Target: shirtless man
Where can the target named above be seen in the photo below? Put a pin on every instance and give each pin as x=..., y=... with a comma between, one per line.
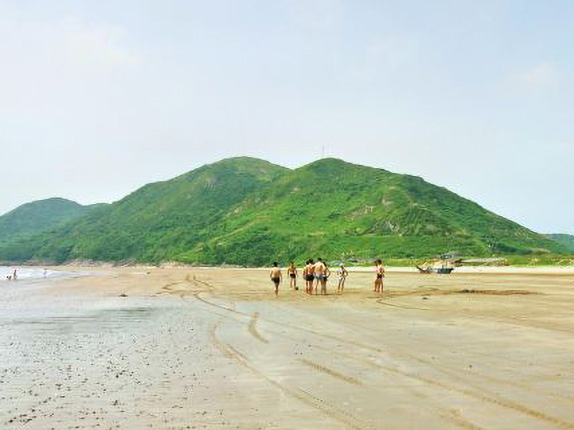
x=310, y=276
x=319, y=272
x=276, y=276
x=379, y=275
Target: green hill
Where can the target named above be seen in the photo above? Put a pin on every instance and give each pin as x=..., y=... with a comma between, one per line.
x=157, y=222
x=37, y=217
x=338, y=210
x=566, y=240
x=247, y=211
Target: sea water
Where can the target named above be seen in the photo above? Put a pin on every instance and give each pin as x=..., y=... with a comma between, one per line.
x=32, y=273
x=23, y=295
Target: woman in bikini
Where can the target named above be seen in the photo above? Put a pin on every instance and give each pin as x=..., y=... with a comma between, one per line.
x=292, y=272
x=379, y=275
x=343, y=273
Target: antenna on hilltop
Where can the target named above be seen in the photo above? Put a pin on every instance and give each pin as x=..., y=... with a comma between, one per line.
x=323, y=151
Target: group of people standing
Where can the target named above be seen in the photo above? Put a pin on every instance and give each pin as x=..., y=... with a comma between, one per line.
x=316, y=275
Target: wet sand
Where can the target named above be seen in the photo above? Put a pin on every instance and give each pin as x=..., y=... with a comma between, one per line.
x=199, y=348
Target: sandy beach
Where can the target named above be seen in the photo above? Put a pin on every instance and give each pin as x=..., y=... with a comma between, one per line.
x=213, y=348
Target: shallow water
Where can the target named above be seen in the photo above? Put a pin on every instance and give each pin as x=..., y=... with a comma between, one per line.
x=23, y=298
x=71, y=361
x=34, y=275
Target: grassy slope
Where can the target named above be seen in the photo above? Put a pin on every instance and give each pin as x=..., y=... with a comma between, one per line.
x=156, y=222
x=338, y=209
x=248, y=211
x=39, y=216
x=566, y=240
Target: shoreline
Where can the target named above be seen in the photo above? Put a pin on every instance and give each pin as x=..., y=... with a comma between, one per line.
x=486, y=270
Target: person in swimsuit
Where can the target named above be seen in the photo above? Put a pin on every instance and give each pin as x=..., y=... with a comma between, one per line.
x=304, y=275
x=292, y=272
x=276, y=276
x=310, y=276
x=379, y=275
x=319, y=272
x=342, y=273
x=326, y=275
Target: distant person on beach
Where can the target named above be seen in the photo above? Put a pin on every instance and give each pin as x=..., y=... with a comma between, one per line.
x=319, y=272
x=342, y=273
x=304, y=275
x=15, y=275
x=310, y=276
x=379, y=275
x=292, y=272
x=276, y=276
x=326, y=275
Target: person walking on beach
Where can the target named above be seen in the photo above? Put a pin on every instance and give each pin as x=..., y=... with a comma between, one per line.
x=379, y=275
x=292, y=272
x=276, y=276
x=319, y=272
x=309, y=276
x=343, y=273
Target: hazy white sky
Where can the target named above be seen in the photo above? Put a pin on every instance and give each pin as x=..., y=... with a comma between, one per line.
x=100, y=97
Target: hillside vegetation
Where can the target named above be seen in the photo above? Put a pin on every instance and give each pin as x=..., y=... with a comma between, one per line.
x=157, y=222
x=247, y=211
x=40, y=216
x=566, y=240
x=342, y=210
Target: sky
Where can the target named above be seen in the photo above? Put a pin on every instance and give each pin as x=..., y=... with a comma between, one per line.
x=98, y=98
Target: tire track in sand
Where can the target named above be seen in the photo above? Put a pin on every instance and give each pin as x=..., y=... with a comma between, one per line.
x=517, y=321
x=331, y=372
x=473, y=392
x=253, y=328
x=452, y=416
x=315, y=402
x=452, y=372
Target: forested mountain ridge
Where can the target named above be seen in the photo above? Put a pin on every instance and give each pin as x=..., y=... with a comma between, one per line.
x=566, y=240
x=247, y=211
x=39, y=216
x=340, y=210
x=157, y=221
